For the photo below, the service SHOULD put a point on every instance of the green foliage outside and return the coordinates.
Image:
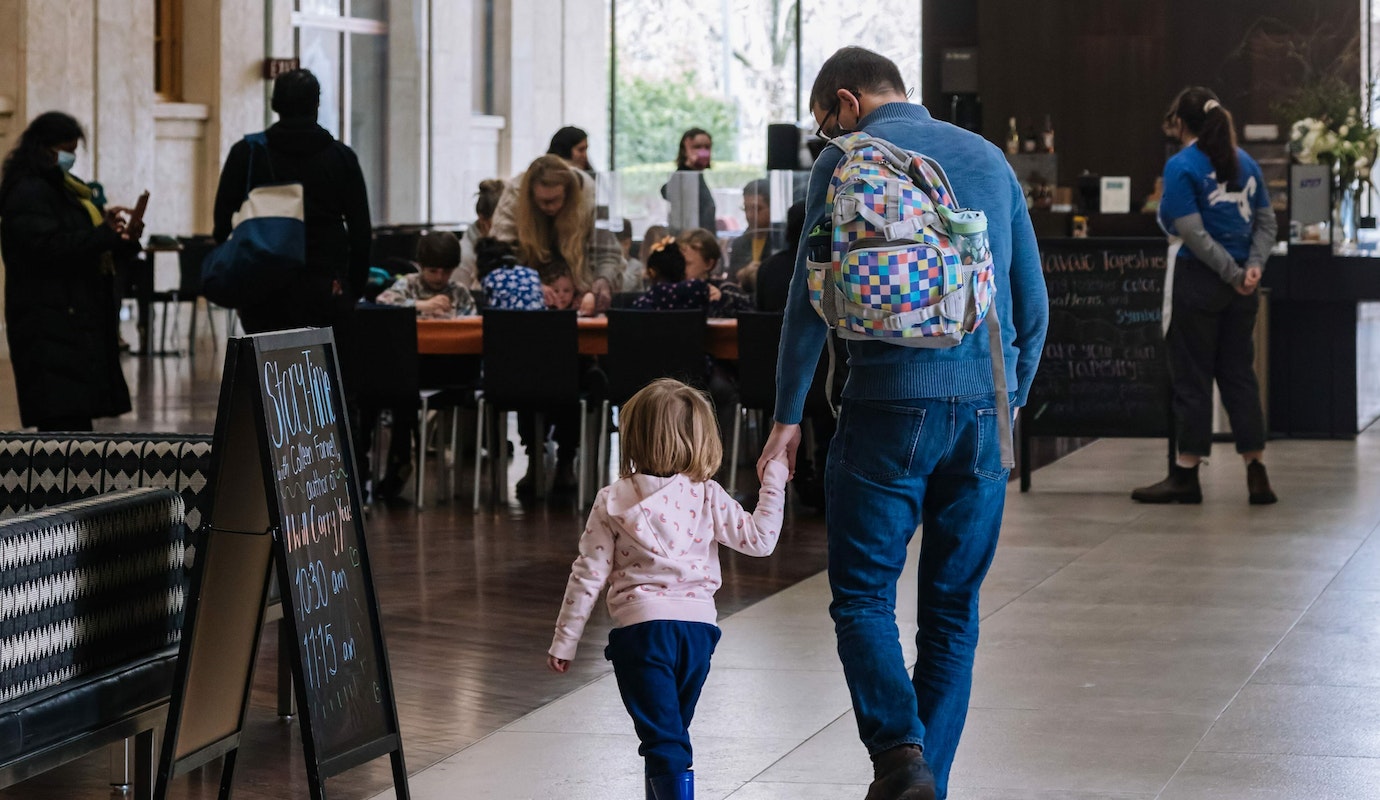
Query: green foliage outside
(652, 115)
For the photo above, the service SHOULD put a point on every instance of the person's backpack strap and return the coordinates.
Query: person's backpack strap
(258, 142)
(1008, 452)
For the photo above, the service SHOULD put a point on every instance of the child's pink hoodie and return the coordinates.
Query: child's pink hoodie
(656, 542)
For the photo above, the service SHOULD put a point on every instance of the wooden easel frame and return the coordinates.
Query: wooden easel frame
(236, 549)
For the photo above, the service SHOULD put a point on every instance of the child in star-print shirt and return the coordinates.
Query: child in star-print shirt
(507, 284)
(654, 536)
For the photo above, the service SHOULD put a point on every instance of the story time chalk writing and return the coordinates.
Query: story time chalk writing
(320, 538)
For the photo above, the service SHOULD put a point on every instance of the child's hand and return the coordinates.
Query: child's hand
(557, 664)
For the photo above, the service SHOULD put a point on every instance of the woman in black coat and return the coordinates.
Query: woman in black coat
(60, 247)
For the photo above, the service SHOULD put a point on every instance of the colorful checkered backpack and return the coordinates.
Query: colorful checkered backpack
(904, 264)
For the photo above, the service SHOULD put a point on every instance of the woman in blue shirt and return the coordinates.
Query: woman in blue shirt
(1216, 210)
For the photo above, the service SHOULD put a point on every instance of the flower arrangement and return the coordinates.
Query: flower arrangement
(1348, 145)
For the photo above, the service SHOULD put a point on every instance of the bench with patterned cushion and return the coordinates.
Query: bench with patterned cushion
(38, 470)
(91, 608)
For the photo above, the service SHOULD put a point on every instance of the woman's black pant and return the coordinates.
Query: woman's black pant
(1212, 336)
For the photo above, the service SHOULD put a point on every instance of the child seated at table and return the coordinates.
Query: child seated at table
(432, 290)
(668, 289)
(671, 291)
(558, 289)
(703, 260)
(507, 284)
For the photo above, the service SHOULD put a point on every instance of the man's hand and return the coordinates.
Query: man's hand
(781, 446)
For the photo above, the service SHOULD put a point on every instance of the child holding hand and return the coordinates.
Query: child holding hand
(654, 536)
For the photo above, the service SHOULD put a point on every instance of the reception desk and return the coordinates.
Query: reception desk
(1324, 342)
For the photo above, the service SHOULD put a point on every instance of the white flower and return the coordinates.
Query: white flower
(1344, 130)
(1363, 173)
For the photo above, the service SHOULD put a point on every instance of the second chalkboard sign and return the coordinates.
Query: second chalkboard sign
(1104, 371)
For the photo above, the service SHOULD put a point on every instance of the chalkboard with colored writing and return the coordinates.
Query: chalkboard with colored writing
(1104, 370)
(284, 501)
(324, 576)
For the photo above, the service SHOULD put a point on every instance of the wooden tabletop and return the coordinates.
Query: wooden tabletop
(465, 336)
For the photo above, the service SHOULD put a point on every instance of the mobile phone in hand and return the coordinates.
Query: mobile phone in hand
(137, 215)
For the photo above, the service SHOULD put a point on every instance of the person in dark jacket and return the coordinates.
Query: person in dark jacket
(60, 246)
(774, 276)
(339, 235)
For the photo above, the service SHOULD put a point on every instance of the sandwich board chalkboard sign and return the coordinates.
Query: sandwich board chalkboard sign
(284, 497)
(1104, 371)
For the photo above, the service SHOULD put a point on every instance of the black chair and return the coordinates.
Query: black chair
(395, 242)
(388, 374)
(644, 346)
(531, 363)
(189, 259)
(759, 343)
(624, 299)
(191, 251)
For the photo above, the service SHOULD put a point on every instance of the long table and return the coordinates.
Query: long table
(465, 336)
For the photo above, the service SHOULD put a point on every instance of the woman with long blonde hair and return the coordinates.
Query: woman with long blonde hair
(555, 223)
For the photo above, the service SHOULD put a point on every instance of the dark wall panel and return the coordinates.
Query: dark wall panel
(1106, 71)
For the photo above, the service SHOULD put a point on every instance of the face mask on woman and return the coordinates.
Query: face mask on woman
(66, 160)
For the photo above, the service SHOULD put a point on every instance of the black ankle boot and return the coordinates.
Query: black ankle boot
(901, 774)
(1258, 484)
(1180, 487)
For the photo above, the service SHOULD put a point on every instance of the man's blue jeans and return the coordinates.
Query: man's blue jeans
(894, 465)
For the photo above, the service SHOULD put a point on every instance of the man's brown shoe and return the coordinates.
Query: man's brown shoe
(901, 774)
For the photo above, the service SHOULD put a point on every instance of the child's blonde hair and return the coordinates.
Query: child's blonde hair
(669, 428)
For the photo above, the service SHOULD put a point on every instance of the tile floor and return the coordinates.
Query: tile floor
(1213, 651)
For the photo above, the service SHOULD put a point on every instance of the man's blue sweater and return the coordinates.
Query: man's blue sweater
(981, 179)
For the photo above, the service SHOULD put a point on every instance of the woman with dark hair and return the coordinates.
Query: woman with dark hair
(694, 156)
(1216, 210)
(60, 246)
(572, 144)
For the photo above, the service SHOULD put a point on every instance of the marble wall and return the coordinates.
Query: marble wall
(94, 59)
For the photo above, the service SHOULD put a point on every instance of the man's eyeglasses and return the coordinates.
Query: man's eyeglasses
(838, 106)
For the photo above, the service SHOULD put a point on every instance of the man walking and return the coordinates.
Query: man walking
(917, 442)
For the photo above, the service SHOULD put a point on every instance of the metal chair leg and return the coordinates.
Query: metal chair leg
(733, 459)
(582, 455)
(602, 461)
(478, 450)
(454, 451)
(421, 457)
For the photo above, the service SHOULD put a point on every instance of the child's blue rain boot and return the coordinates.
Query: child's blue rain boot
(674, 787)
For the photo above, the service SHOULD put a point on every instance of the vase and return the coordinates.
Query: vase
(1346, 217)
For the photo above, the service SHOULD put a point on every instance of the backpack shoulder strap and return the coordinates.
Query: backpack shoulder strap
(258, 142)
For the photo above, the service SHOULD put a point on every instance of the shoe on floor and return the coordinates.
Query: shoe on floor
(391, 486)
(527, 484)
(565, 480)
(901, 774)
(1258, 484)
(1180, 487)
